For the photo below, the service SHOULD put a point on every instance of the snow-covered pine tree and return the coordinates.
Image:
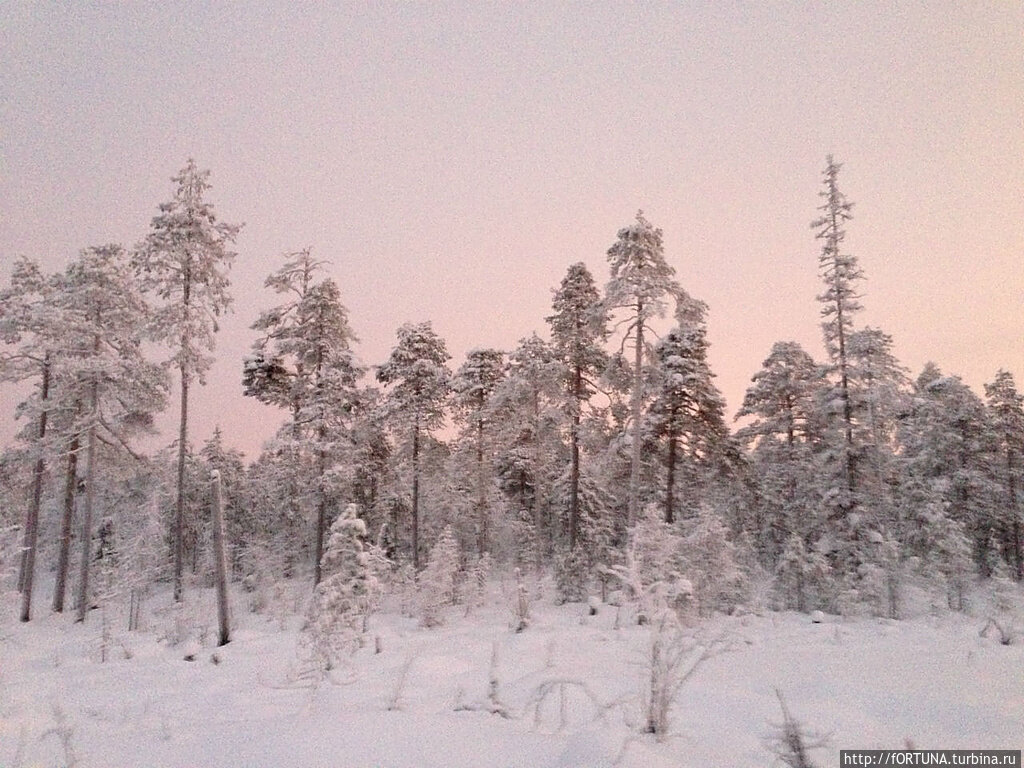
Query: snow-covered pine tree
(783, 434)
(687, 411)
(107, 372)
(184, 262)
(472, 387)
(1006, 414)
(781, 397)
(947, 448)
(418, 380)
(709, 558)
(878, 388)
(802, 575)
(30, 327)
(280, 540)
(641, 280)
(528, 447)
(575, 567)
(373, 481)
(15, 492)
(579, 327)
(343, 598)
(841, 275)
(303, 361)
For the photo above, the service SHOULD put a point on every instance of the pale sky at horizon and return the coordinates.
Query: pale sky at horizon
(451, 160)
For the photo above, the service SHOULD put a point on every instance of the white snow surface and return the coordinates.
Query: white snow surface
(568, 690)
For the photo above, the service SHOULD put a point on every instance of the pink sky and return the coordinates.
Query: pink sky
(452, 160)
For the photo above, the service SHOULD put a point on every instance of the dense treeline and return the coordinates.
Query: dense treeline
(602, 454)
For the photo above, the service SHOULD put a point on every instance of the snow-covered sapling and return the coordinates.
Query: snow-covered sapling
(336, 624)
(791, 742)
(674, 655)
(521, 607)
(437, 581)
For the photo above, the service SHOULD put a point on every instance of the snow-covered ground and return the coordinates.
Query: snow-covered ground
(567, 691)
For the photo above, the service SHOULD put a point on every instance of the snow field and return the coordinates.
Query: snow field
(565, 692)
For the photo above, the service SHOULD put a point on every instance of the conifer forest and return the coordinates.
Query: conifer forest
(516, 384)
(592, 465)
(843, 482)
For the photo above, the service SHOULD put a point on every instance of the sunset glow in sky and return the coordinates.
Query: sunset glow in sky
(452, 160)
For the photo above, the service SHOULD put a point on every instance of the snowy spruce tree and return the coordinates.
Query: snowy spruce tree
(802, 574)
(576, 567)
(418, 381)
(344, 596)
(947, 449)
(712, 562)
(650, 572)
(184, 262)
(436, 584)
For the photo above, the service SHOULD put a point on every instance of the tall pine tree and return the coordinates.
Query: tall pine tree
(303, 361)
(31, 330)
(107, 371)
(641, 280)
(841, 275)
(418, 381)
(184, 261)
(473, 385)
(579, 327)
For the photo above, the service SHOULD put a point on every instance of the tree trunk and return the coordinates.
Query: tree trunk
(64, 556)
(636, 413)
(416, 495)
(90, 477)
(574, 467)
(670, 480)
(179, 507)
(28, 554)
(321, 465)
(223, 614)
(321, 505)
(483, 534)
(1018, 550)
(844, 379)
(542, 546)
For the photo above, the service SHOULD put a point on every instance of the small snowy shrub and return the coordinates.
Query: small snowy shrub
(571, 576)
(343, 598)
(475, 586)
(1006, 609)
(802, 575)
(437, 581)
(711, 563)
(521, 606)
(791, 742)
(673, 656)
(651, 572)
